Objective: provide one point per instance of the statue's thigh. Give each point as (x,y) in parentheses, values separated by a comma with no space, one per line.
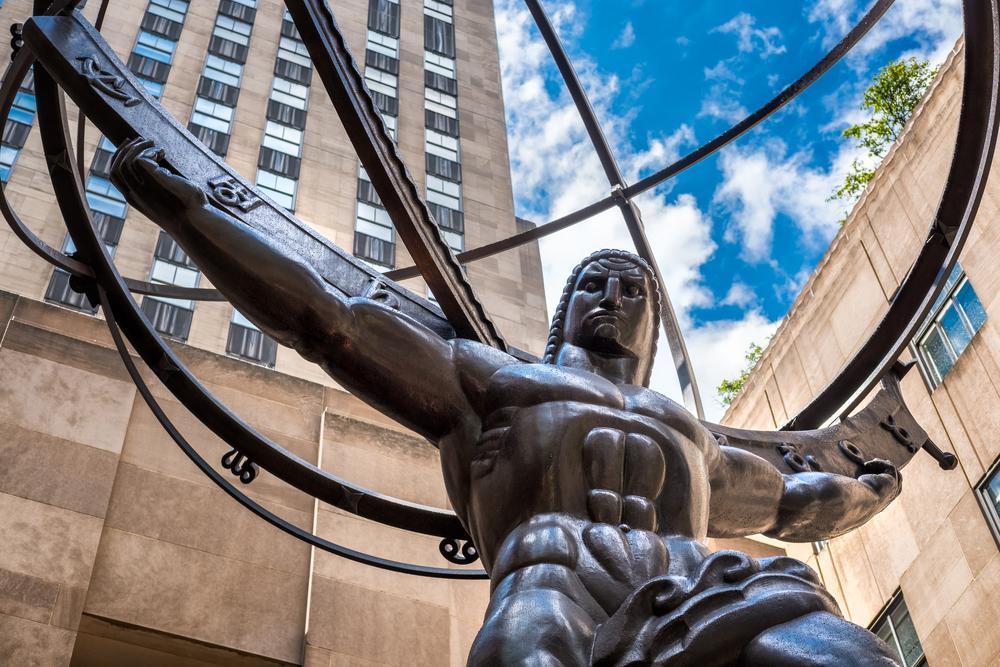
(535,619)
(819,639)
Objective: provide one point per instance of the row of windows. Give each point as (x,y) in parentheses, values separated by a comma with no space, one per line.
(280,158)
(442,161)
(374,236)
(18,127)
(219,86)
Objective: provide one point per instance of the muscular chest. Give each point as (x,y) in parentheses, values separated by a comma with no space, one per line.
(573,442)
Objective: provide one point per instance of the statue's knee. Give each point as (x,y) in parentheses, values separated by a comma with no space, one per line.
(819,639)
(536,627)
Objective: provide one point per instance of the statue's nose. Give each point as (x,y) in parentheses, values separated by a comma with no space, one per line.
(612,294)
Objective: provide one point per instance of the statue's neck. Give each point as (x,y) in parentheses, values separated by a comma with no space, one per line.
(616,369)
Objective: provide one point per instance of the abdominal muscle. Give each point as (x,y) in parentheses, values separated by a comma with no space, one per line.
(606,562)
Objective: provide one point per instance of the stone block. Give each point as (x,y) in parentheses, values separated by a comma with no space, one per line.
(47,542)
(64,402)
(55,471)
(351,620)
(25,643)
(183,591)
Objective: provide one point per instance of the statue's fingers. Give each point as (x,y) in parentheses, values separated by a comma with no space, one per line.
(121,163)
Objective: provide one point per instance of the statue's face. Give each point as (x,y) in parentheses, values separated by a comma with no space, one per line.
(610,310)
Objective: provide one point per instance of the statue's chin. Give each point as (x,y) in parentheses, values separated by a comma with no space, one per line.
(607,332)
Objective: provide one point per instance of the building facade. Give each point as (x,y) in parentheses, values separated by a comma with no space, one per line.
(924,574)
(114,549)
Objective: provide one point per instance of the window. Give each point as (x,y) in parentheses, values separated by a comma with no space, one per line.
(279,188)
(955,319)
(895,627)
(383,16)
(248,342)
(15,133)
(292,94)
(439,36)
(155,47)
(171,266)
(989,498)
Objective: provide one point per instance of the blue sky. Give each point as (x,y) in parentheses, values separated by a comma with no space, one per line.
(738,234)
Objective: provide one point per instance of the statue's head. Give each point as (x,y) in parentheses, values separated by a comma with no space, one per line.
(610,306)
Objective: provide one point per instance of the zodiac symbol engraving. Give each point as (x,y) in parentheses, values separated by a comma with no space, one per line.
(851,451)
(796,461)
(901,435)
(460,556)
(237,463)
(231,192)
(378,291)
(106,82)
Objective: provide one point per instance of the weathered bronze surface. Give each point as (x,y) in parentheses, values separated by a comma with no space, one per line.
(586,495)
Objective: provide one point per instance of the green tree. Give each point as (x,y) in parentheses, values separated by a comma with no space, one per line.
(889,100)
(729,389)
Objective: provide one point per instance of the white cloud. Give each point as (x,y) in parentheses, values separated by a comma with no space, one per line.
(933,24)
(626,38)
(717,351)
(556,171)
(761,182)
(750,38)
(722,102)
(740,295)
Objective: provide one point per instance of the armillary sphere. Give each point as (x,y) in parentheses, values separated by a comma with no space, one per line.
(70,57)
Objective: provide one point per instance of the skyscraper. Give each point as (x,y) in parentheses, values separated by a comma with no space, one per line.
(116,550)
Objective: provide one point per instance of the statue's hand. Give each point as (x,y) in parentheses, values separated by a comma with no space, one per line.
(154,190)
(882,477)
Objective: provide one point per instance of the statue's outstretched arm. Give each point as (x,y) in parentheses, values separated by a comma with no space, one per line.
(386,358)
(750,495)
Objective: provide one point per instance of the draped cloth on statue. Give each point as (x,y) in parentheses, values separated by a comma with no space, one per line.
(709,617)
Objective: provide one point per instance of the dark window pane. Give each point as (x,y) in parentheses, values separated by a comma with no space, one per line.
(383,16)
(447,218)
(154,70)
(971,306)
(439,166)
(906,635)
(168,250)
(386,104)
(102,163)
(251,344)
(992,491)
(381,61)
(60,292)
(217,142)
(109,228)
(278,162)
(227,49)
(366,193)
(167,318)
(288,30)
(15,134)
(374,250)
(937,353)
(292,71)
(440,82)
(441,123)
(237,10)
(286,115)
(958,334)
(439,36)
(162,26)
(218,91)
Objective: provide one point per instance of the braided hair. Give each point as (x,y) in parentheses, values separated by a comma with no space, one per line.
(557,328)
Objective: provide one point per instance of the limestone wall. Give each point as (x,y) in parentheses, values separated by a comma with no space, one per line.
(933,543)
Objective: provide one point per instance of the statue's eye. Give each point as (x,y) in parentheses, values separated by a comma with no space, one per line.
(591,286)
(632,291)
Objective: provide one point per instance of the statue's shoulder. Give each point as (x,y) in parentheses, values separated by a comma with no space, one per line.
(651,403)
